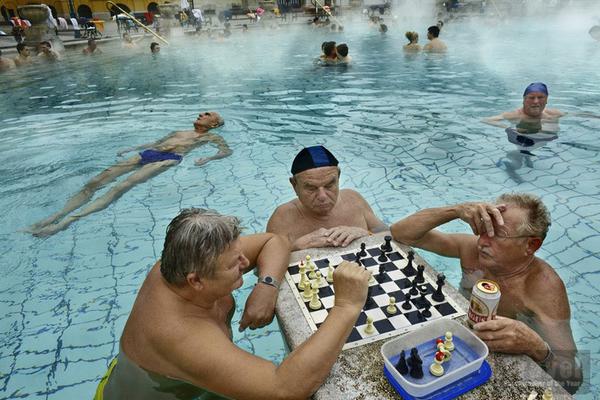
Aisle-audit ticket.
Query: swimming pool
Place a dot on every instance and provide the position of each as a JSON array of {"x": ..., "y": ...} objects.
[{"x": 405, "y": 128}]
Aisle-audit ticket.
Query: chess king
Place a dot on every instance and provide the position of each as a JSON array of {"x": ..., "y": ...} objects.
[
  {"x": 533, "y": 313},
  {"x": 189, "y": 290},
  {"x": 322, "y": 215}
]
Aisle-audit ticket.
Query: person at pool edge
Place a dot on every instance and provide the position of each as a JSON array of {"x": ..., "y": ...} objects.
[
  {"x": 177, "y": 343},
  {"x": 533, "y": 313},
  {"x": 155, "y": 159},
  {"x": 322, "y": 215}
]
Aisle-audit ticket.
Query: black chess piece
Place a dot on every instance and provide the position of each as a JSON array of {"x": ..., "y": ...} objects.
[
  {"x": 410, "y": 257},
  {"x": 369, "y": 299},
  {"x": 426, "y": 313},
  {"x": 401, "y": 366},
  {"x": 387, "y": 246},
  {"x": 416, "y": 364},
  {"x": 381, "y": 270},
  {"x": 438, "y": 295},
  {"x": 406, "y": 305},
  {"x": 420, "y": 278},
  {"x": 363, "y": 251},
  {"x": 357, "y": 259},
  {"x": 382, "y": 257},
  {"x": 413, "y": 288}
]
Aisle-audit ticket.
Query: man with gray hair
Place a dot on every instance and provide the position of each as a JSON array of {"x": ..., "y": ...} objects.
[
  {"x": 534, "y": 313},
  {"x": 177, "y": 341}
]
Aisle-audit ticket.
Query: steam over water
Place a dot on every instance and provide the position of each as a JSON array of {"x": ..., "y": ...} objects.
[{"x": 406, "y": 129}]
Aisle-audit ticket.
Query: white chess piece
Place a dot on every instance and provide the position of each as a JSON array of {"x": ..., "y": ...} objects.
[
  {"x": 448, "y": 343},
  {"x": 548, "y": 394},
  {"x": 330, "y": 274},
  {"x": 436, "y": 368},
  {"x": 391, "y": 308},
  {"x": 307, "y": 293},
  {"x": 303, "y": 278},
  {"x": 315, "y": 303},
  {"x": 369, "y": 328},
  {"x": 311, "y": 267}
]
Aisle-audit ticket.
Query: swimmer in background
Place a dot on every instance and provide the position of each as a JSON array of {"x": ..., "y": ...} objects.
[
  {"x": 383, "y": 29},
  {"x": 413, "y": 45},
  {"x": 5, "y": 63},
  {"x": 91, "y": 48},
  {"x": 23, "y": 55},
  {"x": 156, "y": 158},
  {"x": 329, "y": 55},
  {"x": 342, "y": 54},
  {"x": 154, "y": 48},
  {"x": 128, "y": 42},
  {"x": 435, "y": 44}
]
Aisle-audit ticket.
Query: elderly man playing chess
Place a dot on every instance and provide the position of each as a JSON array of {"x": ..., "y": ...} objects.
[
  {"x": 177, "y": 340},
  {"x": 322, "y": 215},
  {"x": 534, "y": 314}
]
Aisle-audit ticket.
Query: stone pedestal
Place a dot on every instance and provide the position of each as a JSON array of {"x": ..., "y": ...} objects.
[
  {"x": 167, "y": 20},
  {"x": 40, "y": 30}
]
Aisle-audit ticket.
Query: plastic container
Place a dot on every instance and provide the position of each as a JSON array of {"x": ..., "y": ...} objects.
[{"x": 467, "y": 357}]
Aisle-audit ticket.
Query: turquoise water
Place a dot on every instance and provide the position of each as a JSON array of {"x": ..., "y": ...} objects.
[{"x": 405, "y": 129}]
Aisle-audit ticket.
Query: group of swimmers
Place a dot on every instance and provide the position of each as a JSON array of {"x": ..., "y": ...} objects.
[
  {"x": 45, "y": 53},
  {"x": 332, "y": 54}
]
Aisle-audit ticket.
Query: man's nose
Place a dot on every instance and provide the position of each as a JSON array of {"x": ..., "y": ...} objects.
[{"x": 321, "y": 193}]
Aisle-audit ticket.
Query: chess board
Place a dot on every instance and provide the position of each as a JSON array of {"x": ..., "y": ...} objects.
[{"x": 395, "y": 280}]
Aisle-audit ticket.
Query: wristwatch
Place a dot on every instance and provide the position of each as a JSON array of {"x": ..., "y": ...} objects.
[{"x": 269, "y": 280}]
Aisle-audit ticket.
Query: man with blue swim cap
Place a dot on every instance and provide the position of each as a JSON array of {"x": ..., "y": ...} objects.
[
  {"x": 155, "y": 158},
  {"x": 533, "y": 117},
  {"x": 322, "y": 215}
]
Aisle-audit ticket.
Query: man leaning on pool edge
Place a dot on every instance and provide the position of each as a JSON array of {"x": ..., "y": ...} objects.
[{"x": 322, "y": 215}]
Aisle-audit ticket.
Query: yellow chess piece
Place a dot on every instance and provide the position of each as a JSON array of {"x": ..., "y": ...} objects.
[
  {"x": 369, "y": 328},
  {"x": 392, "y": 309},
  {"x": 436, "y": 367}
]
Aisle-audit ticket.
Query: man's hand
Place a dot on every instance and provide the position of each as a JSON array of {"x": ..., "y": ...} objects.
[
  {"x": 507, "y": 335},
  {"x": 342, "y": 236},
  {"x": 259, "y": 307},
  {"x": 350, "y": 282},
  {"x": 482, "y": 216}
]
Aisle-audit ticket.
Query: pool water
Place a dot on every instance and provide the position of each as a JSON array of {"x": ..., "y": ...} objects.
[{"x": 406, "y": 130}]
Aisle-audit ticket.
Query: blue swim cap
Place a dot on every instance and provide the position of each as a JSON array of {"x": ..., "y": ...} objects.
[
  {"x": 313, "y": 157},
  {"x": 536, "y": 87}
]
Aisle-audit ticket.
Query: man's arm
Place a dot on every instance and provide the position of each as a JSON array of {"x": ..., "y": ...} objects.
[
  {"x": 418, "y": 230},
  {"x": 270, "y": 254},
  {"x": 497, "y": 120},
  {"x": 549, "y": 303},
  {"x": 223, "y": 150},
  {"x": 221, "y": 367}
]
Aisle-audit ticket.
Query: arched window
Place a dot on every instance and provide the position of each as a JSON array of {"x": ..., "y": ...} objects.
[
  {"x": 115, "y": 11},
  {"x": 153, "y": 8},
  {"x": 84, "y": 11}
]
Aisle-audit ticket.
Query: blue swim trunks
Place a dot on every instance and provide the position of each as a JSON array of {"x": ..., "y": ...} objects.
[{"x": 150, "y": 156}]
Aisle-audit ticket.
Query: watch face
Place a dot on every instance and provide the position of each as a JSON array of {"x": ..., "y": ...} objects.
[{"x": 268, "y": 279}]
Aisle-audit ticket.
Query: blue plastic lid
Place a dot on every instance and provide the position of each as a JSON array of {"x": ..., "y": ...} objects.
[{"x": 448, "y": 392}]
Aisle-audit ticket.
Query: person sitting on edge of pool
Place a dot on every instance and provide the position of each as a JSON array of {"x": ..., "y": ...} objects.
[
  {"x": 322, "y": 215},
  {"x": 533, "y": 313},
  {"x": 435, "y": 45},
  {"x": 155, "y": 159},
  {"x": 177, "y": 342}
]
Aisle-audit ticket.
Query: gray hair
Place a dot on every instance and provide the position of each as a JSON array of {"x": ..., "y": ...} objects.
[
  {"x": 538, "y": 217},
  {"x": 195, "y": 240}
]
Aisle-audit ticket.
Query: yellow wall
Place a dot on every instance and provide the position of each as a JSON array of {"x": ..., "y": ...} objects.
[{"x": 97, "y": 6}]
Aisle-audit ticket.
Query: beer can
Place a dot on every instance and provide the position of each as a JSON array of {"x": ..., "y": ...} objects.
[{"x": 485, "y": 298}]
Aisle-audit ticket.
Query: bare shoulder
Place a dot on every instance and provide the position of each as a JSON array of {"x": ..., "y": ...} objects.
[
  {"x": 512, "y": 115},
  {"x": 555, "y": 113},
  {"x": 282, "y": 217},
  {"x": 352, "y": 195},
  {"x": 547, "y": 290}
]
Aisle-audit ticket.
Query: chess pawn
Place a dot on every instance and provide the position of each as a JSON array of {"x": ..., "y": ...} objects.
[
  {"x": 391, "y": 308},
  {"x": 436, "y": 368},
  {"x": 330, "y": 274},
  {"x": 303, "y": 278},
  {"x": 547, "y": 394},
  {"x": 307, "y": 293},
  {"x": 448, "y": 343},
  {"x": 315, "y": 303},
  {"x": 369, "y": 328},
  {"x": 319, "y": 275}
]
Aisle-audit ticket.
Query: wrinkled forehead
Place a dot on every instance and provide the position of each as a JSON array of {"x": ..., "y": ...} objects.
[
  {"x": 534, "y": 95},
  {"x": 318, "y": 176},
  {"x": 513, "y": 217}
]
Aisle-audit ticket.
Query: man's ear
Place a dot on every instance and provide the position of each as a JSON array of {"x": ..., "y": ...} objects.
[
  {"x": 293, "y": 182},
  {"x": 194, "y": 281},
  {"x": 533, "y": 244}
]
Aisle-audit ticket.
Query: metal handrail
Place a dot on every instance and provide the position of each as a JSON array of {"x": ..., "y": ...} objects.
[{"x": 136, "y": 21}]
